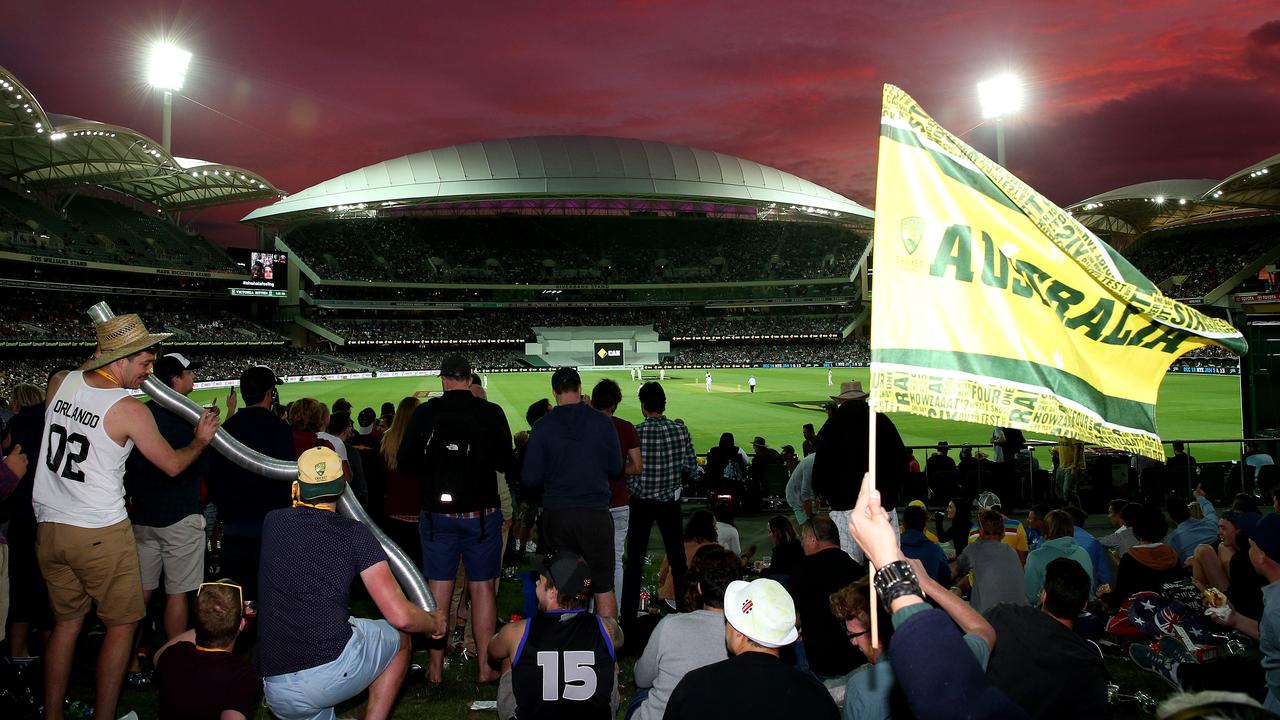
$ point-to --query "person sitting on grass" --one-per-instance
(1059, 542)
(686, 641)
(932, 664)
(1234, 673)
(917, 545)
(1227, 567)
(1191, 532)
(562, 662)
(1147, 565)
(699, 530)
(1123, 515)
(997, 574)
(869, 692)
(1041, 662)
(199, 675)
(760, 619)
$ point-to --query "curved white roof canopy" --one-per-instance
(47, 151)
(557, 167)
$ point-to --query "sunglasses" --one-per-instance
(849, 635)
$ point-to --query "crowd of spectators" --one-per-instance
(96, 229)
(518, 326)
(42, 317)
(851, 352)
(528, 249)
(1204, 259)
(427, 358)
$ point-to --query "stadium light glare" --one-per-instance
(167, 66)
(1000, 96)
(1159, 199)
(57, 136)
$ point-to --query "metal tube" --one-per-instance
(406, 573)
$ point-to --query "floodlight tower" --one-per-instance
(166, 69)
(1000, 97)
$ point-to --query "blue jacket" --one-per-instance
(1097, 555)
(918, 547)
(573, 450)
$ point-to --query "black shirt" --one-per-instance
(750, 685)
(939, 464)
(1046, 668)
(825, 643)
(786, 558)
(244, 498)
(570, 651)
(495, 456)
(842, 456)
(309, 559)
(199, 684)
(159, 500)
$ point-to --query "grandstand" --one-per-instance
(475, 246)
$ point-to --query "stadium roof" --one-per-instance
(1255, 186)
(557, 167)
(1137, 208)
(44, 151)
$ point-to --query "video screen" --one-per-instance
(265, 269)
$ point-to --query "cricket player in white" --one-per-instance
(828, 378)
(708, 381)
(751, 383)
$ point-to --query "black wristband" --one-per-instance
(896, 580)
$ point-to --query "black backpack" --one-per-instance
(454, 454)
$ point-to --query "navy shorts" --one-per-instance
(476, 542)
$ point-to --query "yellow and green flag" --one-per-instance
(994, 306)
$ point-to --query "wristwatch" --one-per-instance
(896, 580)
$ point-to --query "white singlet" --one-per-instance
(80, 469)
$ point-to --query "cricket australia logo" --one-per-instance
(912, 233)
(320, 469)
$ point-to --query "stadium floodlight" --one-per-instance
(166, 70)
(167, 66)
(1000, 97)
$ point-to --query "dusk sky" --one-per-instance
(1118, 93)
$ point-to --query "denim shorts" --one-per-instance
(312, 694)
(446, 541)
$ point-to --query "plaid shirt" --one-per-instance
(667, 452)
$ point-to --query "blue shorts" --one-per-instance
(448, 540)
(311, 694)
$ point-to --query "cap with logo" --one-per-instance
(320, 474)
(568, 574)
(172, 365)
(762, 610)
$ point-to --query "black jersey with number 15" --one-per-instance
(564, 668)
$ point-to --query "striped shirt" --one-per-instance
(666, 451)
(1014, 535)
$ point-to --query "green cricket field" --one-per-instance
(1190, 406)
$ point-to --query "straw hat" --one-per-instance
(122, 336)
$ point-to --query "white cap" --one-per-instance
(762, 610)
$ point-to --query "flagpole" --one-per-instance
(871, 571)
